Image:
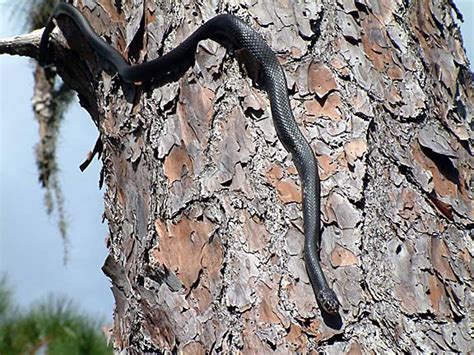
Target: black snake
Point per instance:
(235, 35)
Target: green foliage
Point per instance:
(5, 297)
(54, 326)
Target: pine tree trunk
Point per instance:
(203, 201)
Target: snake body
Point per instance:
(234, 34)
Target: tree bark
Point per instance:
(203, 202)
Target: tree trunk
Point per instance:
(203, 201)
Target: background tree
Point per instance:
(53, 326)
(203, 201)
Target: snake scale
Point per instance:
(234, 34)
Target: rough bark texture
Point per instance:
(203, 202)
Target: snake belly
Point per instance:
(234, 34)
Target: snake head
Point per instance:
(328, 301)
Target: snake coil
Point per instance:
(234, 34)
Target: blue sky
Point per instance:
(30, 245)
(31, 250)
